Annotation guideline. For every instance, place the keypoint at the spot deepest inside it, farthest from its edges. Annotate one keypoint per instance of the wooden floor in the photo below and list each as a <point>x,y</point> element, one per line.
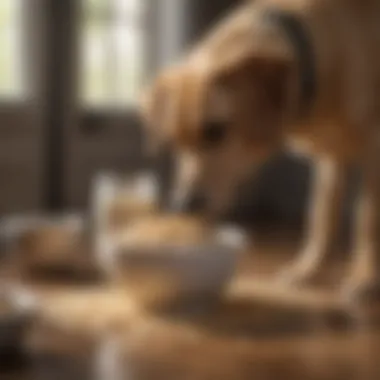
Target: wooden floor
<point>260,331</point>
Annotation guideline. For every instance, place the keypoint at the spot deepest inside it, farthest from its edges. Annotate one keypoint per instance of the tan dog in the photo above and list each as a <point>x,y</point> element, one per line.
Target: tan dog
<point>303,74</point>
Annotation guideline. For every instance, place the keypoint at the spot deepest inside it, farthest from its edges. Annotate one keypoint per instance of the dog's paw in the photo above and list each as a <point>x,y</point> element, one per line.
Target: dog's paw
<point>298,274</point>
<point>362,289</point>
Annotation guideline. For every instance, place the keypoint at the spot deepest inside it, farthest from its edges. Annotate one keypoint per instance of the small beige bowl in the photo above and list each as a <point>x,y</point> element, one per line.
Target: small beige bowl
<point>169,274</point>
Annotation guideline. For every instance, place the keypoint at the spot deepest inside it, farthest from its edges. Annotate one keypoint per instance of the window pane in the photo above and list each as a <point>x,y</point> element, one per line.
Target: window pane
<point>94,63</point>
<point>111,52</point>
<point>11,73</point>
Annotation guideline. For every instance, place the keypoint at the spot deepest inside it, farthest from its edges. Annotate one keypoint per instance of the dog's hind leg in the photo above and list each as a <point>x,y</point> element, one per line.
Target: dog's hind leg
<point>364,277</point>
<point>330,177</point>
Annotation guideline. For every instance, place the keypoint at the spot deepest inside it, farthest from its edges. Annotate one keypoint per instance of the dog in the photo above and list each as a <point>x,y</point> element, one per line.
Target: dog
<point>302,75</point>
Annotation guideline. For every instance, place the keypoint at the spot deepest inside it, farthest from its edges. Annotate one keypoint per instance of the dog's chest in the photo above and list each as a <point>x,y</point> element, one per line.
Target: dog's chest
<point>308,147</point>
<point>335,140</point>
<point>299,146</point>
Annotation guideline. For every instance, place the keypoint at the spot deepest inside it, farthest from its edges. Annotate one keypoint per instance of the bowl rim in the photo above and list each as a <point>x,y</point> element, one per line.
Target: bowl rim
<point>227,239</point>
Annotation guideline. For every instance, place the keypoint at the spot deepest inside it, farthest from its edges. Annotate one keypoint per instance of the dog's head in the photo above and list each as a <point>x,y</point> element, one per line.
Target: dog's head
<point>222,112</point>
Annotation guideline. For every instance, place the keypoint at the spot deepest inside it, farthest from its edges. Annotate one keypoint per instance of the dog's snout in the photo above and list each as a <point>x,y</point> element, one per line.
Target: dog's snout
<point>190,204</point>
<point>195,203</point>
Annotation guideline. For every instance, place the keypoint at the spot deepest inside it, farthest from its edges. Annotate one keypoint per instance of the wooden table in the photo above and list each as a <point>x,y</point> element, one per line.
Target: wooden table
<point>258,332</point>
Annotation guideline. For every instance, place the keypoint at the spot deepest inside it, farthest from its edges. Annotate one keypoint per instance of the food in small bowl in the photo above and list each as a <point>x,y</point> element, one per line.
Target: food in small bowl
<point>47,247</point>
<point>164,261</point>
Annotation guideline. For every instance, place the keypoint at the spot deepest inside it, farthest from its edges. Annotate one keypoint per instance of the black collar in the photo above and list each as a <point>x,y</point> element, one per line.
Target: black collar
<point>299,37</point>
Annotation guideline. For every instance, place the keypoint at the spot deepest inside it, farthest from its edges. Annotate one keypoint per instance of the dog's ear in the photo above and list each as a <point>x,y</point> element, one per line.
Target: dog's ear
<point>173,107</point>
<point>269,67</point>
<point>152,103</point>
<point>155,107</point>
<point>261,89</point>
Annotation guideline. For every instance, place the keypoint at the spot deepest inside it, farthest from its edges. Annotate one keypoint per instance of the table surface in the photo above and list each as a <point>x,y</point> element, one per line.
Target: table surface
<point>259,331</point>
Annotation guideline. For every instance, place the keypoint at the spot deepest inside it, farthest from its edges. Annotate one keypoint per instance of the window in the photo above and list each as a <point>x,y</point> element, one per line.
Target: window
<point>111,52</point>
<point>11,33</point>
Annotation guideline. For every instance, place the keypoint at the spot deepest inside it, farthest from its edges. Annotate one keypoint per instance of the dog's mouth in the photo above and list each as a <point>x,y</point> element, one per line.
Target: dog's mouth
<point>184,197</point>
<point>201,205</point>
<point>190,203</point>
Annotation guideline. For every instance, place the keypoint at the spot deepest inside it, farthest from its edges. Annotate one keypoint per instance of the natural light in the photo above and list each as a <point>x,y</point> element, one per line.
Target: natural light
<point>11,33</point>
<point>111,52</point>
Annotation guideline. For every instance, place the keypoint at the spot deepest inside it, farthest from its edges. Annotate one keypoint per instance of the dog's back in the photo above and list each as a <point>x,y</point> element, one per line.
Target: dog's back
<point>345,37</point>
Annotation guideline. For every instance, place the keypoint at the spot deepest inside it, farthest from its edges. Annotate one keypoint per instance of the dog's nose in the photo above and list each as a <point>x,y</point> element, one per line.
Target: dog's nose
<point>192,203</point>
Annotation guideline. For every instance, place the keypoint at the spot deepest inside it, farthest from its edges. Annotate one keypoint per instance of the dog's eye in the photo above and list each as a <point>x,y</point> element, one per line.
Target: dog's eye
<point>214,132</point>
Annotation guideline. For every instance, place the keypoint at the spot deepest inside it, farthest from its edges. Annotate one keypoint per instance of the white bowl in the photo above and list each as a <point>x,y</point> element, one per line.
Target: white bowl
<point>167,274</point>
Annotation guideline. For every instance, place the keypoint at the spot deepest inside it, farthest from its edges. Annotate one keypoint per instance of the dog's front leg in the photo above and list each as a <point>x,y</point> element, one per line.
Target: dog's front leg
<point>324,212</point>
<point>363,279</point>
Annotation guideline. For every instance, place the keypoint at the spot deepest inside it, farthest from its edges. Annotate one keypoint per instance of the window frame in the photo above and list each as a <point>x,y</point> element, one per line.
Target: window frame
<point>151,63</point>
<point>71,125</point>
<point>33,57</point>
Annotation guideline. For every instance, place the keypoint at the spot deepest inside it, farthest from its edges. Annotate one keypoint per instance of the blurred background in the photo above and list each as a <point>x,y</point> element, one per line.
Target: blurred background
<point>71,72</point>
<point>70,76</point>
